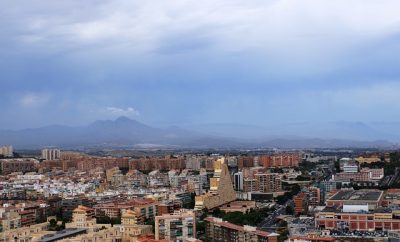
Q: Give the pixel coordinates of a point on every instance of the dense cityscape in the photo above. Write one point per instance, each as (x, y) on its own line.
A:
(199, 121)
(253, 195)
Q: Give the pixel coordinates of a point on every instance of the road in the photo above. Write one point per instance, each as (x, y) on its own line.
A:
(270, 222)
(394, 177)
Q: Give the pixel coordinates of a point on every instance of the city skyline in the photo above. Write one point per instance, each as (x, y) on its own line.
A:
(199, 121)
(188, 63)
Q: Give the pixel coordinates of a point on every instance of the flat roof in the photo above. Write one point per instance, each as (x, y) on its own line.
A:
(377, 210)
(358, 195)
(229, 225)
(62, 234)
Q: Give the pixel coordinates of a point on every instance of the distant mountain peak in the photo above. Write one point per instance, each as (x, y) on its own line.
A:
(124, 119)
(122, 122)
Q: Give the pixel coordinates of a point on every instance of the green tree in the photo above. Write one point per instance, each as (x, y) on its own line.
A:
(337, 165)
(218, 213)
(115, 221)
(289, 210)
(103, 220)
(62, 226)
(253, 217)
(152, 223)
(283, 234)
(201, 227)
(53, 225)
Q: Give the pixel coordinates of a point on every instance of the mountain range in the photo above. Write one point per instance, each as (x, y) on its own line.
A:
(129, 133)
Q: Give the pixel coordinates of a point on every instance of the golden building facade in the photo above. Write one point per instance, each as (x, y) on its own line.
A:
(221, 188)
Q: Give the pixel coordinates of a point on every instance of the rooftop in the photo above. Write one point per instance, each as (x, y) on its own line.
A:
(359, 195)
(338, 210)
(226, 224)
(392, 194)
(62, 234)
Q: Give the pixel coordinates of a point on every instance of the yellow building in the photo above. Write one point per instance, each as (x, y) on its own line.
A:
(221, 188)
(128, 231)
(11, 220)
(31, 233)
(83, 217)
(129, 217)
(367, 160)
(214, 181)
(110, 234)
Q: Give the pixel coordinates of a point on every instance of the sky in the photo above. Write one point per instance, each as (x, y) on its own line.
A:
(184, 62)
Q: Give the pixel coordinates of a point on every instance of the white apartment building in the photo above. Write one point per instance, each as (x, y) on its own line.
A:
(6, 150)
(51, 154)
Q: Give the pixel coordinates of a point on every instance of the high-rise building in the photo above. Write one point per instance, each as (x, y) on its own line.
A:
(179, 226)
(51, 154)
(314, 194)
(301, 203)
(256, 161)
(249, 185)
(232, 161)
(280, 160)
(245, 161)
(193, 163)
(328, 186)
(268, 182)
(6, 150)
(238, 181)
(18, 165)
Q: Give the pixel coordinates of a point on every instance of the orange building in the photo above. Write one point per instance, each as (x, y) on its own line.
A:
(245, 161)
(380, 219)
(280, 160)
(158, 163)
(168, 208)
(301, 203)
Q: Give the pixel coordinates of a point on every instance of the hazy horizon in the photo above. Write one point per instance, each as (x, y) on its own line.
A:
(190, 63)
(122, 129)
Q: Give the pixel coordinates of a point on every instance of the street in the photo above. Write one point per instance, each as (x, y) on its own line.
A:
(269, 222)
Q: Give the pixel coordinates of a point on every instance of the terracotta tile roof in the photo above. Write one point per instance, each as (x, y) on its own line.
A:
(235, 227)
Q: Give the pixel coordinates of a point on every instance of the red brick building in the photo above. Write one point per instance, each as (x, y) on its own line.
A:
(18, 165)
(301, 203)
(280, 160)
(245, 161)
(168, 208)
(157, 163)
(88, 163)
(85, 163)
(380, 219)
